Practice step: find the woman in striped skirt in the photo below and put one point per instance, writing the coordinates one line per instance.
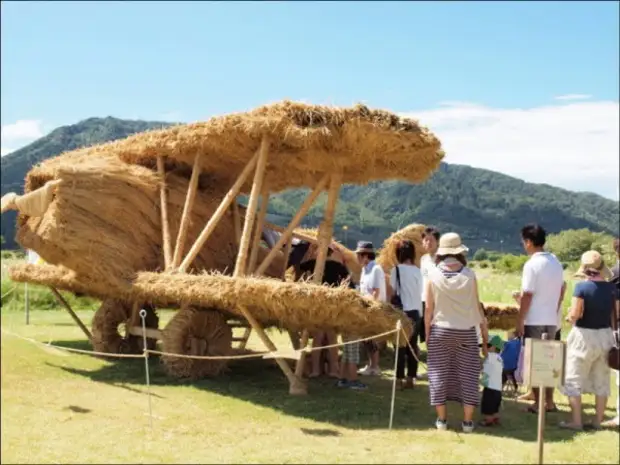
(452, 314)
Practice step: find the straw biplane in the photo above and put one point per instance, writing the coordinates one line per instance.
(153, 220)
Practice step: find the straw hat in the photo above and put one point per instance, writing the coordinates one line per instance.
(451, 244)
(593, 261)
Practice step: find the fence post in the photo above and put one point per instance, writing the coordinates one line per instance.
(146, 365)
(398, 329)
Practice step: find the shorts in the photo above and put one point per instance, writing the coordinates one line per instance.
(491, 401)
(536, 332)
(350, 352)
(371, 347)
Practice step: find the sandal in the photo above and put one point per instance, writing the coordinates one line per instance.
(592, 427)
(570, 426)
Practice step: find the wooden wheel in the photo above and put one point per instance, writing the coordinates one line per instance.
(196, 332)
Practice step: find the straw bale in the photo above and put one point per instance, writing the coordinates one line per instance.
(501, 316)
(387, 254)
(306, 141)
(193, 331)
(104, 223)
(290, 305)
(105, 329)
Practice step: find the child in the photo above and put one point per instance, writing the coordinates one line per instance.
(510, 358)
(492, 382)
(348, 365)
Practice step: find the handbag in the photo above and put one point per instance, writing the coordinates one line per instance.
(396, 301)
(613, 356)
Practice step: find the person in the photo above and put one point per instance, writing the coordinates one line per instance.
(372, 285)
(615, 279)
(334, 275)
(492, 371)
(406, 282)
(541, 295)
(592, 314)
(510, 358)
(430, 242)
(452, 314)
(350, 361)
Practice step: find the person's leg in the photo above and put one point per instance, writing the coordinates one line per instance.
(600, 378)
(600, 405)
(317, 341)
(400, 365)
(331, 339)
(412, 365)
(576, 377)
(442, 412)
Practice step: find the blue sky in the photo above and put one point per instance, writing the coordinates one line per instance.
(66, 61)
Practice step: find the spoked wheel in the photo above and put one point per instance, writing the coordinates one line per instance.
(110, 328)
(196, 332)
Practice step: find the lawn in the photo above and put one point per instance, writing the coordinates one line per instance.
(66, 408)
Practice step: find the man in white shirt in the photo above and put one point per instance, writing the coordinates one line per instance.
(430, 241)
(542, 290)
(373, 285)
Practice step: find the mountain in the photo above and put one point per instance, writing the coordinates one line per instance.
(485, 207)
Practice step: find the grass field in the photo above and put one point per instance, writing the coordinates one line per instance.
(65, 408)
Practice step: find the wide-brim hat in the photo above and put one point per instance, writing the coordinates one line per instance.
(451, 244)
(365, 247)
(593, 261)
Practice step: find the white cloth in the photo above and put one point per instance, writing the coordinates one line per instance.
(456, 303)
(543, 276)
(426, 263)
(492, 370)
(373, 277)
(587, 371)
(410, 286)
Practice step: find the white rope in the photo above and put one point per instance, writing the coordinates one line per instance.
(398, 331)
(146, 365)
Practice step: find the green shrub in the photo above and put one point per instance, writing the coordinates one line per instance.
(510, 263)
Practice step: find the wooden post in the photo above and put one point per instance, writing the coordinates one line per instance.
(293, 224)
(163, 200)
(287, 253)
(219, 213)
(326, 232)
(76, 318)
(236, 222)
(250, 212)
(541, 415)
(187, 208)
(258, 231)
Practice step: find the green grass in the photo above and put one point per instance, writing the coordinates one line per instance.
(60, 407)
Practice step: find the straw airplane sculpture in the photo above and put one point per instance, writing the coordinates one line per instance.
(152, 220)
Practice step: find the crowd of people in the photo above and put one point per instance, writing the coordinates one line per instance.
(442, 301)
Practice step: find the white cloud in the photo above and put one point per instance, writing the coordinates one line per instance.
(573, 97)
(20, 133)
(573, 145)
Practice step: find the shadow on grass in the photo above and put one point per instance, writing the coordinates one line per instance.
(262, 383)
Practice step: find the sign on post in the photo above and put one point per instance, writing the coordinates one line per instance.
(544, 365)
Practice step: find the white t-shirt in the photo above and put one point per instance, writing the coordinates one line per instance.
(543, 276)
(492, 369)
(426, 262)
(409, 290)
(373, 277)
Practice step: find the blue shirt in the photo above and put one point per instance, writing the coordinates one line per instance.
(510, 354)
(598, 303)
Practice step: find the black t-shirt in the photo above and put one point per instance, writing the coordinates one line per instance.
(598, 303)
(335, 272)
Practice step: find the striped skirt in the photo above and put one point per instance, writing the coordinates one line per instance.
(453, 366)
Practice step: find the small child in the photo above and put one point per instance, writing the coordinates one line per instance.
(492, 381)
(510, 357)
(348, 365)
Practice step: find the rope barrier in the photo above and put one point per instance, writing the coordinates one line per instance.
(9, 292)
(413, 351)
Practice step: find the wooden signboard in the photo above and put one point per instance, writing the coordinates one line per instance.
(544, 363)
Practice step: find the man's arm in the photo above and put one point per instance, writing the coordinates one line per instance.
(430, 308)
(527, 293)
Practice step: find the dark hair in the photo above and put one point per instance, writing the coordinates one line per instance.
(460, 257)
(405, 251)
(534, 233)
(617, 245)
(371, 255)
(431, 231)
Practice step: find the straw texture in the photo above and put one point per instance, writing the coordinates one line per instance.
(501, 316)
(387, 254)
(306, 141)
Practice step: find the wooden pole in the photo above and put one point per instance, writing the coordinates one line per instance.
(258, 231)
(236, 222)
(219, 213)
(326, 232)
(294, 223)
(163, 200)
(187, 208)
(76, 318)
(541, 416)
(250, 212)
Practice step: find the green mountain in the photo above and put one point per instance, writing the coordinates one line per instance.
(485, 207)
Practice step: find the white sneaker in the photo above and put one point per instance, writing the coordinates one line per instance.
(468, 426)
(368, 371)
(441, 425)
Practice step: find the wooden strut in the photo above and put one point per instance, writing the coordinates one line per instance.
(258, 230)
(296, 385)
(326, 232)
(76, 318)
(228, 199)
(293, 335)
(165, 226)
(187, 208)
(236, 222)
(293, 224)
